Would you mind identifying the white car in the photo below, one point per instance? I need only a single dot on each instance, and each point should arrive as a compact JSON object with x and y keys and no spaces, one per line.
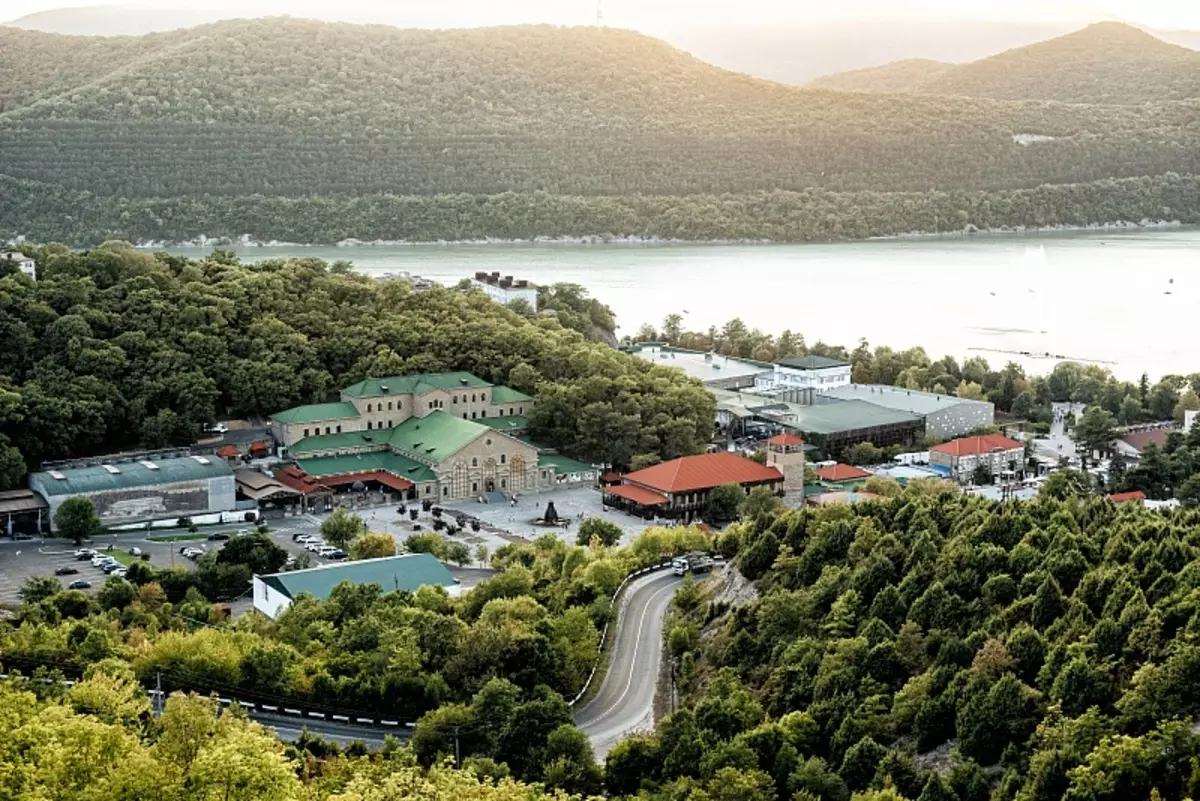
{"x":243,"y":532}
{"x":314,"y":546}
{"x":305,"y":539}
{"x":219,"y":428}
{"x":119,"y":573}
{"x":325,"y":550}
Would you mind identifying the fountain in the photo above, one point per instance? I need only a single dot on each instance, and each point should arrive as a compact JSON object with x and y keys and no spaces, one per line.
{"x":550,"y":518}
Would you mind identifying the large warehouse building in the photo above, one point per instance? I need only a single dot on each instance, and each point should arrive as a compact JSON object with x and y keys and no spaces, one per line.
{"x":143,"y":489}
{"x":946,"y":416}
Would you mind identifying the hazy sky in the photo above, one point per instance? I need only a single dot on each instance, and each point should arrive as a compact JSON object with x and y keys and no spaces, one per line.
{"x":655,"y":13}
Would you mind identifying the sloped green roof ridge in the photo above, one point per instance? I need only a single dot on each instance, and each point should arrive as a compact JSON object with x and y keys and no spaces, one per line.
{"x":416,"y":384}
{"x":435,"y":436}
{"x":394,"y":463}
{"x":563,"y":465}
{"x":345,"y":441}
{"x":315,"y":412}
{"x":506,"y":424}
{"x":503,"y":394}
{"x":408,"y":572}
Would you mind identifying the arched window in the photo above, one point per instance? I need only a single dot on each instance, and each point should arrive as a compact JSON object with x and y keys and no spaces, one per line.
{"x":503,"y":458}
{"x":368,"y":425}
{"x":472,"y":399}
{"x":474,"y":462}
{"x":389,"y":406}
{"x":368,"y":408}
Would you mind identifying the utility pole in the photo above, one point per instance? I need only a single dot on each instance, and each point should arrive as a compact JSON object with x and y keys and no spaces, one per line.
{"x":158,"y":696}
{"x":457,"y":755}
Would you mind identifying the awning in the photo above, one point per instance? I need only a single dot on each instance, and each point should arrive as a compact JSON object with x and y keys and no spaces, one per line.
{"x":642,"y":497}
{"x":382,"y":476}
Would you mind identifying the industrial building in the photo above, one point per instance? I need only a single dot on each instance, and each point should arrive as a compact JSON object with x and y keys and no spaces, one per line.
{"x":830,"y":427}
{"x":130,"y":490}
{"x":714,"y":370}
{"x":945,"y":416}
{"x":275,"y":592}
{"x":803,"y":378}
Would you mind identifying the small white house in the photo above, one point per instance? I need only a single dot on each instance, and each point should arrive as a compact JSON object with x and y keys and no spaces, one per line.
{"x":505,"y":289}
{"x":23,"y":263}
{"x":815,"y":373}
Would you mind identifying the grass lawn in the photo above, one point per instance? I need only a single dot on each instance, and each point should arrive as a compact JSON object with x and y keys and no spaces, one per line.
{"x":123,"y":556}
{"x":178,"y":537}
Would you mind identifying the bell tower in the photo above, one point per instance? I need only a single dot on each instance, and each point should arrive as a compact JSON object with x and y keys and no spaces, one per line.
{"x":785,"y":452}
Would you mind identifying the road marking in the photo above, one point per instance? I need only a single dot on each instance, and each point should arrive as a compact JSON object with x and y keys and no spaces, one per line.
{"x":633,"y":661}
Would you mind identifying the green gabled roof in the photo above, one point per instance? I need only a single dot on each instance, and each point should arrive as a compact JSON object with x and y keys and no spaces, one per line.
{"x":127,"y":475}
{"x":417,"y":384}
{"x":315,"y":412}
{"x":563,"y":464}
{"x":505,"y":424}
{"x":347,"y":440}
{"x":436,"y":436}
{"x":407,"y":572}
{"x":502,"y":394}
{"x":394,"y":463}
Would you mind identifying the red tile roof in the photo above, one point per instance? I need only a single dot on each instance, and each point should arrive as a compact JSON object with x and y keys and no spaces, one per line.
{"x":610,"y":477}
{"x":842,"y":472}
{"x":382,"y":476}
{"x":297,"y":479}
{"x":638,"y":495}
{"x":708,"y":470}
{"x":786,"y":439}
{"x":972,"y":446}
{"x":228,"y":451}
{"x":258,"y":445}
{"x":1136,"y":495}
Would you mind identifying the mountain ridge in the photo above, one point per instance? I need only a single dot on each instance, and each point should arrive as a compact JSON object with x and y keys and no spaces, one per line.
{"x":1106,"y":63}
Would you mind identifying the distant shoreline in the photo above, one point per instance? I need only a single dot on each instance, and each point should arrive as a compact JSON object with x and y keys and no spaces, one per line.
{"x":1119,"y":227}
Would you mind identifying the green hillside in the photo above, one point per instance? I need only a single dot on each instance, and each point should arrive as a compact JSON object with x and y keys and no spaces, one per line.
{"x":289,"y":109}
{"x":1106,"y":63}
{"x":898,"y":76}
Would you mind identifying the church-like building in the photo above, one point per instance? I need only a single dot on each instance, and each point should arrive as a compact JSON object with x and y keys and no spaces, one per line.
{"x":440,"y":436}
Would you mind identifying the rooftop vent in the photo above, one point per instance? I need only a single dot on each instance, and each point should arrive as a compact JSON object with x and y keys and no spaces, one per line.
{"x":417,"y":444}
{"x":114,"y":471}
{"x":150,"y":465}
{"x":462,"y":381}
{"x":383,"y":387}
{"x":201,"y":460}
{"x":57,"y":476}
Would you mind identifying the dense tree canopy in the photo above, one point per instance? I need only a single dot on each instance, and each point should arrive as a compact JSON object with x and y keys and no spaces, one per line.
{"x":114,"y":348}
{"x":940,"y":648}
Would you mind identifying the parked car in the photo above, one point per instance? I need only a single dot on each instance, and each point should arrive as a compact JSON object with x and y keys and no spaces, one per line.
{"x":120,"y":572}
{"x":337,"y":553}
{"x":218,"y":428}
{"x":112,"y":567}
{"x":219,"y":536}
{"x":66,"y":571}
{"x":192,"y":553}
{"x":135,"y":551}
{"x":83,"y":554}
{"x":243,"y":532}
{"x":305,"y":539}
{"x":22,"y":536}
{"x":79,"y":584}
{"x":313,"y":546}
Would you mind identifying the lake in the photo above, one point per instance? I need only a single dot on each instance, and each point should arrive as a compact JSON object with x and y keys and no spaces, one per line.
{"x":1122,"y":299}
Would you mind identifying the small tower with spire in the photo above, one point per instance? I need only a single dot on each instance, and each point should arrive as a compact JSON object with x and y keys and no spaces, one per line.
{"x":785,"y":452}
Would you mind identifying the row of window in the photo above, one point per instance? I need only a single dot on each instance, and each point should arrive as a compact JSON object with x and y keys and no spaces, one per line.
{"x":380,"y":407}
{"x":317,"y":430}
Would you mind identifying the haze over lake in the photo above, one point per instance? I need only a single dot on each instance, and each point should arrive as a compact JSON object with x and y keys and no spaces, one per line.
{"x":1128,"y":300}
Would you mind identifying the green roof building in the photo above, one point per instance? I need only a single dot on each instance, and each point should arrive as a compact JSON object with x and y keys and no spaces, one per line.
{"x":135,"y":490}
{"x":274,"y":593}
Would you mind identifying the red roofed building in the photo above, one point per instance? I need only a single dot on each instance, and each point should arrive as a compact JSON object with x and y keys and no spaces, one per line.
{"x":229,"y":452}
{"x":996,"y":454}
{"x":843,"y":475}
{"x":1121,"y":497}
{"x":679,"y":489}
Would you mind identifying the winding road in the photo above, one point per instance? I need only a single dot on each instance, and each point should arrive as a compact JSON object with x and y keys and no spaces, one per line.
{"x":625,"y":701}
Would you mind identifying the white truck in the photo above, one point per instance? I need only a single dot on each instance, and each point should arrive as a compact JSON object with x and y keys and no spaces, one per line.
{"x":695,"y":562}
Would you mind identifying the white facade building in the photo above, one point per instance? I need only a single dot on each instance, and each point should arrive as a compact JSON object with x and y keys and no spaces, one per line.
{"x":23,"y":263}
{"x":505,"y":289}
{"x":816,"y":374}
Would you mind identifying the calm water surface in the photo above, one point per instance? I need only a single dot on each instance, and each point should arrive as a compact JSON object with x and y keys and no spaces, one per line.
{"x":1129,"y":300}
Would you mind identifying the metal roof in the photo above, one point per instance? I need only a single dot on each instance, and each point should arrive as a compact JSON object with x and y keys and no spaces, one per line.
{"x":416,"y":384}
{"x":514,"y":423}
{"x":124,"y":475}
{"x":563,"y":465}
{"x":315,"y":412}
{"x":394,"y":463}
{"x":913,"y":401}
{"x":407,"y":572}
{"x":698,"y":364}
{"x":436,"y":436}
{"x":502,"y":394}
{"x":825,"y":418}
{"x":21,"y":500}
{"x":812,"y":363}
{"x":345,"y":441}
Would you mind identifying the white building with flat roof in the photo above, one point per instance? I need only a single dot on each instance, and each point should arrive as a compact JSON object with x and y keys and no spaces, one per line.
{"x":505,"y":289}
{"x":805,"y":375}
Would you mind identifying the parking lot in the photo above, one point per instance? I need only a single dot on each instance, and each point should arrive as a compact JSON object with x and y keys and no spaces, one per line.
{"x":501,"y":523}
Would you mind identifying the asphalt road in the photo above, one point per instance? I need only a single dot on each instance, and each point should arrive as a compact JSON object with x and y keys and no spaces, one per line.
{"x":625,"y":702}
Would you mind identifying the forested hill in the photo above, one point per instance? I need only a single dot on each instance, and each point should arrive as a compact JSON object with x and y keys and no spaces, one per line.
{"x":1103,"y":63}
{"x":164,"y":136}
